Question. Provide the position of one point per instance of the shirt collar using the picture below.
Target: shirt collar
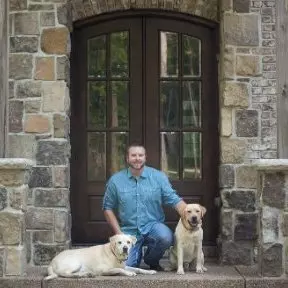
(144, 173)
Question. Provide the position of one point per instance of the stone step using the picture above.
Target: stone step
(216, 277)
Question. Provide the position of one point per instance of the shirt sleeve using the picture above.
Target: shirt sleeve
(169, 195)
(110, 197)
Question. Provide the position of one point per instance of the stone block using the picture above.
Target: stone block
(272, 260)
(246, 226)
(53, 152)
(236, 253)
(47, 19)
(274, 190)
(241, 6)
(41, 177)
(246, 177)
(243, 200)
(44, 69)
(40, 7)
(2, 251)
(28, 89)
(15, 116)
(226, 122)
(247, 65)
(284, 225)
(15, 261)
(55, 41)
(235, 95)
(61, 176)
(3, 197)
(20, 66)
(28, 243)
(229, 63)
(63, 68)
(270, 225)
(44, 253)
(63, 15)
(226, 176)
(241, 30)
(61, 226)
(51, 197)
(226, 224)
(43, 236)
(17, 5)
(247, 123)
(14, 177)
(61, 126)
(11, 89)
(54, 97)
(26, 23)
(37, 124)
(22, 146)
(32, 106)
(18, 197)
(24, 44)
(39, 218)
(232, 150)
(11, 228)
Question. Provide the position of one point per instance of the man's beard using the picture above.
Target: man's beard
(136, 168)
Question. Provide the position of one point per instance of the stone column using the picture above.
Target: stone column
(14, 176)
(273, 197)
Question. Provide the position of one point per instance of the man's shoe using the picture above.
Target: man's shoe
(157, 268)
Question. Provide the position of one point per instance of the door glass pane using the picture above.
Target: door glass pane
(169, 104)
(191, 56)
(170, 154)
(192, 155)
(97, 104)
(97, 56)
(191, 104)
(119, 54)
(169, 54)
(120, 104)
(96, 156)
(119, 141)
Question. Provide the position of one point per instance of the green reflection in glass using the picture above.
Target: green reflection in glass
(119, 141)
(96, 156)
(120, 104)
(119, 54)
(191, 56)
(170, 154)
(169, 104)
(191, 104)
(169, 54)
(97, 104)
(192, 155)
(97, 56)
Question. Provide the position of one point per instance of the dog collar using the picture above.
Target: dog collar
(120, 261)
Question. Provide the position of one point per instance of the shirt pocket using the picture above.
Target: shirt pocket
(126, 197)
(150, 195)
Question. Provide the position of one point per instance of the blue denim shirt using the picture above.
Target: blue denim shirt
(139, 201)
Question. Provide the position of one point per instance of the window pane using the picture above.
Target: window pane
(169, 104)
(97, 56)
(170, 154)
(119, 54)
(192, 155)
(120, 104)
(191, 56)
(191, 104)
(169, 54)
(96, 156)
(97, 104)
(119, 141)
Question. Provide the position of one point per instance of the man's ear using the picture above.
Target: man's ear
(203, 211)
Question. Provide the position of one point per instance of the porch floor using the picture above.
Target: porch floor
(216, 277)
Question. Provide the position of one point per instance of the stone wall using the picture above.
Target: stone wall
(39, 120)
(14, 178)
(248, 120)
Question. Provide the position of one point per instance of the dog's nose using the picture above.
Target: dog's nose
(194, 219)
(125, 249)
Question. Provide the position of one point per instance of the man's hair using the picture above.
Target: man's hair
(134, 145)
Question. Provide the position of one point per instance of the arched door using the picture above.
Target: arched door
(143, 79)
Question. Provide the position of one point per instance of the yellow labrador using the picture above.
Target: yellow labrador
(107, 259)
(188, 240)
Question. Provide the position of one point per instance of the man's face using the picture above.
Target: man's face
(136, 157)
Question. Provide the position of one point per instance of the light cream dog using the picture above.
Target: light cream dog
(188, 241)
(107, 259)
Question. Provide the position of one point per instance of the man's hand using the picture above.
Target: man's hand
(180, 207)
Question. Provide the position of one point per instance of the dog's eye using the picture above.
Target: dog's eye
(128, 242)
(119, 242)
(197, 211)
(189, 211)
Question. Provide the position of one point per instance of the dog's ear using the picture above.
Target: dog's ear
(133, 239)
(112, 239)
(203, 211)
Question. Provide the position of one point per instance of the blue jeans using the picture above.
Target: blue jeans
(157, 241)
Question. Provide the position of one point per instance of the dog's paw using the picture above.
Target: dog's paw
(130, 273)
(151, 272)
(199, 270)
(204, 269)
(180, 272)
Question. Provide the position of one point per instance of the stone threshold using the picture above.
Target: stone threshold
(216, 277)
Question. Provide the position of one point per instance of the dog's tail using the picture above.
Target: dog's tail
(51, 274)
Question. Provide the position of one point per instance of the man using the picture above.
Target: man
(137, 195)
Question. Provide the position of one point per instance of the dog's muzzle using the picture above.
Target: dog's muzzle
(193, 221)
(125, 250)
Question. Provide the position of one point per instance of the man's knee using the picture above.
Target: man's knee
(165, 240)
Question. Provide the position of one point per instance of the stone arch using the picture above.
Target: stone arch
(81, 9)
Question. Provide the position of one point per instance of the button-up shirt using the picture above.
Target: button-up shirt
(138, 201)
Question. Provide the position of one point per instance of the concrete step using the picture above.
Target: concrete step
(216, 277)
